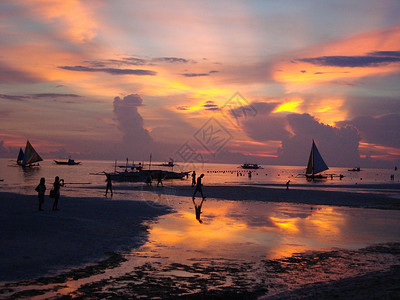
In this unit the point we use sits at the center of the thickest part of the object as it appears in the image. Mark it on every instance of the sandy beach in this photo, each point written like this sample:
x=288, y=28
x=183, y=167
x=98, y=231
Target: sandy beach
x=37, y=243
x=80, y=251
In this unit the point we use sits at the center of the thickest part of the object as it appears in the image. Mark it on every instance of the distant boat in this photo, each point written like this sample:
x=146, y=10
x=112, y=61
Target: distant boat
x=69, y=162
x=29, y=157
x=355, y=169
x=250, y=166
x=168, y=164
x=316, y=164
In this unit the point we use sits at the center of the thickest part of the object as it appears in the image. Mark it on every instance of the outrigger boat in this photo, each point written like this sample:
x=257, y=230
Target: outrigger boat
x=29, y=158
x=69, y=162
x=250, y=166
x=357, y=169
x=138, y=174
x=143, y=175
x=316, y=164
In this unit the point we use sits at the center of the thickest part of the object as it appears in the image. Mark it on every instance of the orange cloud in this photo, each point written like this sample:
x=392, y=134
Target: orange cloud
x=73, y=17
x=300, y=73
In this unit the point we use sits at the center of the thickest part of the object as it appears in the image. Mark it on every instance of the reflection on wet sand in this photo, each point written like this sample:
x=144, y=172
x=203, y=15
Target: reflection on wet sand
x=247, y=229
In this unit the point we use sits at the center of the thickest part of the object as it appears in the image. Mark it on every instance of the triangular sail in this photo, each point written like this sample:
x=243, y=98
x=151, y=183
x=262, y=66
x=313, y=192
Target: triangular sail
x=20, y=155
x=316, y=163
x=30, y=156
x=319, y=164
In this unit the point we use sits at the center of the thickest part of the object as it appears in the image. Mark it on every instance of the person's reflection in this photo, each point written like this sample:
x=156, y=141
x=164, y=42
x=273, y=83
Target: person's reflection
x=197, y=209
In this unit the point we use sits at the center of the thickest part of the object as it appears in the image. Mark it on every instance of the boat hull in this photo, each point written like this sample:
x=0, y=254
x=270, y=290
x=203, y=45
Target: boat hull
x=66, y=163
x=143, y=175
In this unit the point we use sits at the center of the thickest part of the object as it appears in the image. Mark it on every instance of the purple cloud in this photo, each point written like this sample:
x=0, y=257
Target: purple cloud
x=112, y=71
x=372, y=59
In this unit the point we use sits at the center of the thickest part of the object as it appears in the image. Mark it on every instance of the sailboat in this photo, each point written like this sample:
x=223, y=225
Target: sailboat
x=315, y=164
x=29, y=157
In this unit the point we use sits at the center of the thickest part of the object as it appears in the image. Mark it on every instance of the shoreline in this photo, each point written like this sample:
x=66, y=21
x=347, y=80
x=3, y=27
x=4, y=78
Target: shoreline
x=84, y=231
x=273, y=193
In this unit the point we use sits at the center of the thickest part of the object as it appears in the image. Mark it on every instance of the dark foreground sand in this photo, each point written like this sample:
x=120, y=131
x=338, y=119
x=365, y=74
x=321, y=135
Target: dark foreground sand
x=34, y=243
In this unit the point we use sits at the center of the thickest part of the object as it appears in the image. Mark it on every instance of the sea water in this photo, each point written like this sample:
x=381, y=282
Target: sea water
x=84, y=179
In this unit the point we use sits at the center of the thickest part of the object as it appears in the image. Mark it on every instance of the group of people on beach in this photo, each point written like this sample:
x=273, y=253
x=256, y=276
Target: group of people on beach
x=54, y=192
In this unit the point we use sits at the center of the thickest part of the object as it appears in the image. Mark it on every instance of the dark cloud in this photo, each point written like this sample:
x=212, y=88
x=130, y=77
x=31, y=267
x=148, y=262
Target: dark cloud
x=172, y=60
x=210, y=105
x=339, y=146
x=112, y=71
x=54, y=95
x=373, y=106
x=14, y=97
x=261, y=126
x=184, y=107
x=136, y=139
x=296, y=132
x=372, y=59
x=199, y=74
x=137, y=61
x=383, y=130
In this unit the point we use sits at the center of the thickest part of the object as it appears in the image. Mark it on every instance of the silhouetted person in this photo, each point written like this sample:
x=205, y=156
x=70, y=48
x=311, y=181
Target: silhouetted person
x=149, y=179
x=193, y=178
x=287, y=184
x=197, y=209
x=56, y=187
x=199, y=186
x=41, y=189
x=249, y=174
x=159, y=178
x=109, y=185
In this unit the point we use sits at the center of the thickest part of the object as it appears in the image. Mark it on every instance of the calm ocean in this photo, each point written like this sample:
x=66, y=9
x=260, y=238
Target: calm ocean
x=81, y=180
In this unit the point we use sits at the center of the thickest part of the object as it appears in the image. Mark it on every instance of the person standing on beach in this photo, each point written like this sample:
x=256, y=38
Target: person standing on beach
x=41, y=189
x=287, y=184
x=193, y=178
x=199, y=187
x=159, y=178
x=58, y=183
x=109, y=184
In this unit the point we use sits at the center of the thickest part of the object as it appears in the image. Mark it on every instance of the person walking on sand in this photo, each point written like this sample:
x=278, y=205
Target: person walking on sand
x=58, y=183
x=193, y=178
x=199, y=187
x=109, y=185
x=41, y=189
x=159, y=178
x=197, y=209
x=287, y=184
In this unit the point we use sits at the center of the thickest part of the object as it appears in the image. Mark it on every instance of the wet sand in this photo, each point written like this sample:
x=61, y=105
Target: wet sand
x=35, y=243
x=346, y=195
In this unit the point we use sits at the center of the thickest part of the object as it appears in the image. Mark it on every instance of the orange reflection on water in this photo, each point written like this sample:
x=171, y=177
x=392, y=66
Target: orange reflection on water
x=249, y=229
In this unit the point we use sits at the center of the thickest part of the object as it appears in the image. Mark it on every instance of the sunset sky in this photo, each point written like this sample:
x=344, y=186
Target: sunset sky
x=231, y=81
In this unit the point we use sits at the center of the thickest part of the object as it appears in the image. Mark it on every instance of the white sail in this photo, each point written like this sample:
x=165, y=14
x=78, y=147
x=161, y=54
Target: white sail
x=316, y=163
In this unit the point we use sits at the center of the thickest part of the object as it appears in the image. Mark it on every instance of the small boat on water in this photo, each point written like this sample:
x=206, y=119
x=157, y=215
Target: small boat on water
x=168, y=164
x=29, y=158
x=357, y=169
x=69, y=162
x=316, y=164
x=250, y=166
